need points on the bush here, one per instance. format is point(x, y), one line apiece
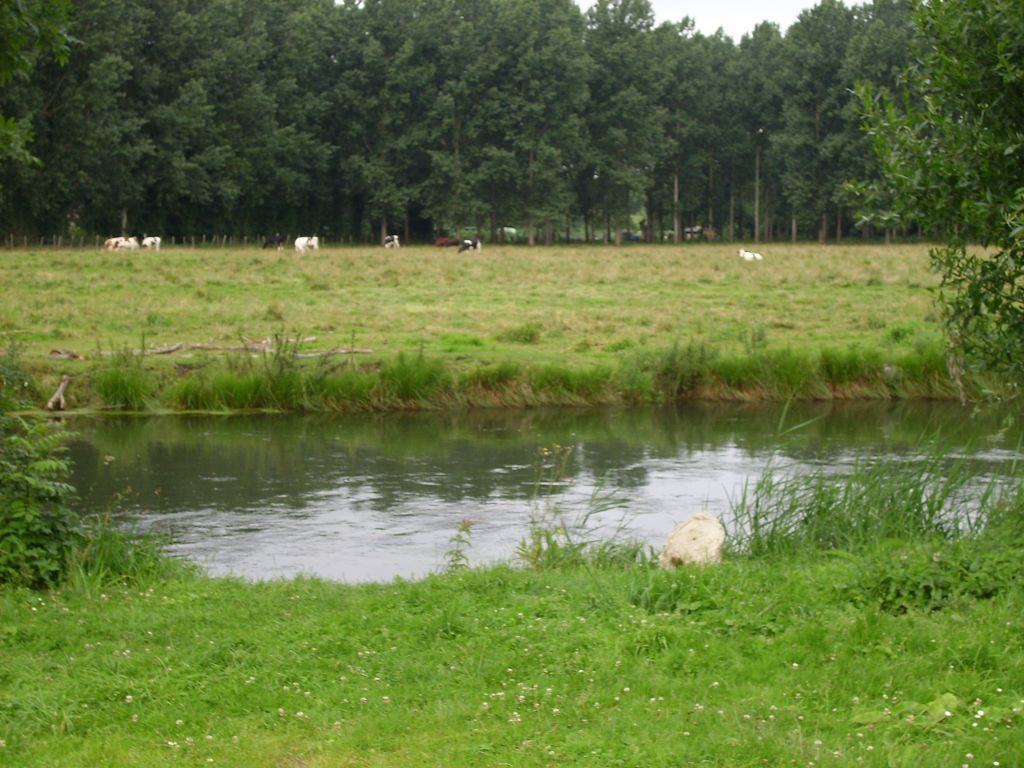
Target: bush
point(37, 528)
point(929, 576)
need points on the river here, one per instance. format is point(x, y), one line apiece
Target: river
point(371, 498)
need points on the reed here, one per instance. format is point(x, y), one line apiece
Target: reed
point(123, 382)
point(941, 498)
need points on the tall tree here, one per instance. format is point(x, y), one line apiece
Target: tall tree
point(624, 113)
point(28, 29)
point(953, 150)
point(815, 125)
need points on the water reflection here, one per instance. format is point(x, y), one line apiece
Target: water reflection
point(373, 497)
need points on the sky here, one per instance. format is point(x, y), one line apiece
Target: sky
point(735, 17)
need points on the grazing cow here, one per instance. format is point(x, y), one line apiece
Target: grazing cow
point(128, 244)
point(391, 241)
point(303, 244)
point(112, 243)
point(151, 241)
point(750, 255)
point(274, 241)
point(445, 242)
point(471, 245)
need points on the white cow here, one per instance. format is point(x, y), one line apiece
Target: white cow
point(391, 241)
point(151, 241)
point(750, 255)
point(303, 244)
point(129, 244)
point(112, 243)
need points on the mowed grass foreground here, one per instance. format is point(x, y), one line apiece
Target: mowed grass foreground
point(509, 325)
point(750, 663)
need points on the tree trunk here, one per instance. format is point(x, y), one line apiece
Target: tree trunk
point(677, 219)
point(792, 228)
point(732, 214)
point(124, 222)
point(757, 195)
point(823, 229)
point(711, 190)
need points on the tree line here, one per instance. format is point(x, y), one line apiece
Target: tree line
point(357, 118)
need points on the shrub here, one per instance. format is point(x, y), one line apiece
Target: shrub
point(929, 576)
point(843, 366)
point(678, 371)
point(412, 378)
point(559, 380)
point(492, 377)
point(37, 527)
point(527, 333)
point(124, 383)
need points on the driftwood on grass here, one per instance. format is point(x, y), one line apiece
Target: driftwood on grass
point(248, 345)
point(65, 354)
point(56, 403)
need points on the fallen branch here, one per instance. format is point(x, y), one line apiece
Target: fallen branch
point(56, 403)
point(65, 354)
point(265, 345)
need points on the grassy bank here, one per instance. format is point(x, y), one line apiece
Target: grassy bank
point(873, 619)
point(361, 328)
point(748, 664)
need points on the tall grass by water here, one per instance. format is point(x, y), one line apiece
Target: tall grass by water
point(283, 381)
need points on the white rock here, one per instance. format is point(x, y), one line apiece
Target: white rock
point(698, 540)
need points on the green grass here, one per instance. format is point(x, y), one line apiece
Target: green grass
point(810, 321)
point(746, 664)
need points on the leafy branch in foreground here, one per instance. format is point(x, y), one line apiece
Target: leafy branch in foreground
point(953, 156)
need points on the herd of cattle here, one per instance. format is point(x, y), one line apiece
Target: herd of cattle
point(130, 243)
point(302, 244)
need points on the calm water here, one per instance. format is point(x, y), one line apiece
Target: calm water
point(371, 498)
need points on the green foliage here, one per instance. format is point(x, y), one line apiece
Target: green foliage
point(565, 538)
point(951, 151)
point(455, 558)
point(677, 371)
point(492, 377)
point(28, 29)
point(586, 384)
point(930, 576)
point(938, 499)
point(106, 555)
point(527, 333)
point(844, 366)
point(412, 378)
point(123, 382)
point(16, 387)
point(37, 525)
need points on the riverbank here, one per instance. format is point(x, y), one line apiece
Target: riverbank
point(775, 661)
point(360, 329)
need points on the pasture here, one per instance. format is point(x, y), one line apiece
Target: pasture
point(577, 307)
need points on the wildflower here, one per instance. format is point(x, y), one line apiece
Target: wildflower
point(515, 718)
point(179, 722)
point(128, 699)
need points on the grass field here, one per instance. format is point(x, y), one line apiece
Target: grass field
point(747, 664)
point(576, 307)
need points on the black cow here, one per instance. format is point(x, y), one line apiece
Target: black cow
point(274, 241)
